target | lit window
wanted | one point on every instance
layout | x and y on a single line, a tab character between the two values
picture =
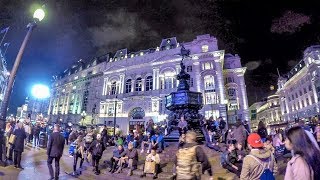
209	82
76	77
138	84
149	83
74	87
132	55
205	48
113	88
128	86
141	53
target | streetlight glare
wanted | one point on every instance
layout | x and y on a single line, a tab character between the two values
40	91
39	14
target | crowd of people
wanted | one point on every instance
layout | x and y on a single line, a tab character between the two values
254	155
249	155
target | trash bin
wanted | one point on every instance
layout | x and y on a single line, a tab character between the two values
43	140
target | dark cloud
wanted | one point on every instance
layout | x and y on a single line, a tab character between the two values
290	22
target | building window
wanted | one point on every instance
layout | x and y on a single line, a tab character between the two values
205	48
211	98
149	83
305	90
189	68
310	88
128	86
229	80
300	93
113	88
206	66
85	100
209	82
168	82
232	94
138	84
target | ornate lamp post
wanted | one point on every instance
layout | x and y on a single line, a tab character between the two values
38	16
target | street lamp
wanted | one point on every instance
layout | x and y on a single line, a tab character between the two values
83	114
38	16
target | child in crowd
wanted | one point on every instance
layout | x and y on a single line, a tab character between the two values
152	164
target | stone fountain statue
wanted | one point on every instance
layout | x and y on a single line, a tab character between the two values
185	103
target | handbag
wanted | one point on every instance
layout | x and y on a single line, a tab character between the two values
12	139
149	167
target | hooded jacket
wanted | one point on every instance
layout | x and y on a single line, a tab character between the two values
252	169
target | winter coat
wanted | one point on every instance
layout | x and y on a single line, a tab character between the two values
252	169
131	154
19	142
55	145
298	169
97	147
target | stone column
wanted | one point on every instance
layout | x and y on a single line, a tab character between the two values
197	77
105	86
133	85
157	78
143	85
221	89
315	95
121	87
154	82
177	72
243	97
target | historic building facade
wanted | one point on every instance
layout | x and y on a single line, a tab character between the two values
75	93
299	91
132	85
136	83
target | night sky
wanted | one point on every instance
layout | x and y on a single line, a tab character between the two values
266	34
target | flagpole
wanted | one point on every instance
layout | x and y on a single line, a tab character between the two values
4	36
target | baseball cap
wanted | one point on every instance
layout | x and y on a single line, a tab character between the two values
255	140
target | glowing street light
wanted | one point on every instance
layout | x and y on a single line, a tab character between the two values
38	16
40	91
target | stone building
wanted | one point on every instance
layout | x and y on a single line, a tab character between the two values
299	89
78	89
135	84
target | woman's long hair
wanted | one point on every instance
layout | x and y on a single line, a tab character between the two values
261	125
303	146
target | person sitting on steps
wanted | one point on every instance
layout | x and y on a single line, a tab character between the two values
152	164
115	158
129	156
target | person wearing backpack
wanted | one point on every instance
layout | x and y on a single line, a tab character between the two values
260	163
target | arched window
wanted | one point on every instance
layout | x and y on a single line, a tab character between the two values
128	86
113	88
209	82
149	84
167	80
138	84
